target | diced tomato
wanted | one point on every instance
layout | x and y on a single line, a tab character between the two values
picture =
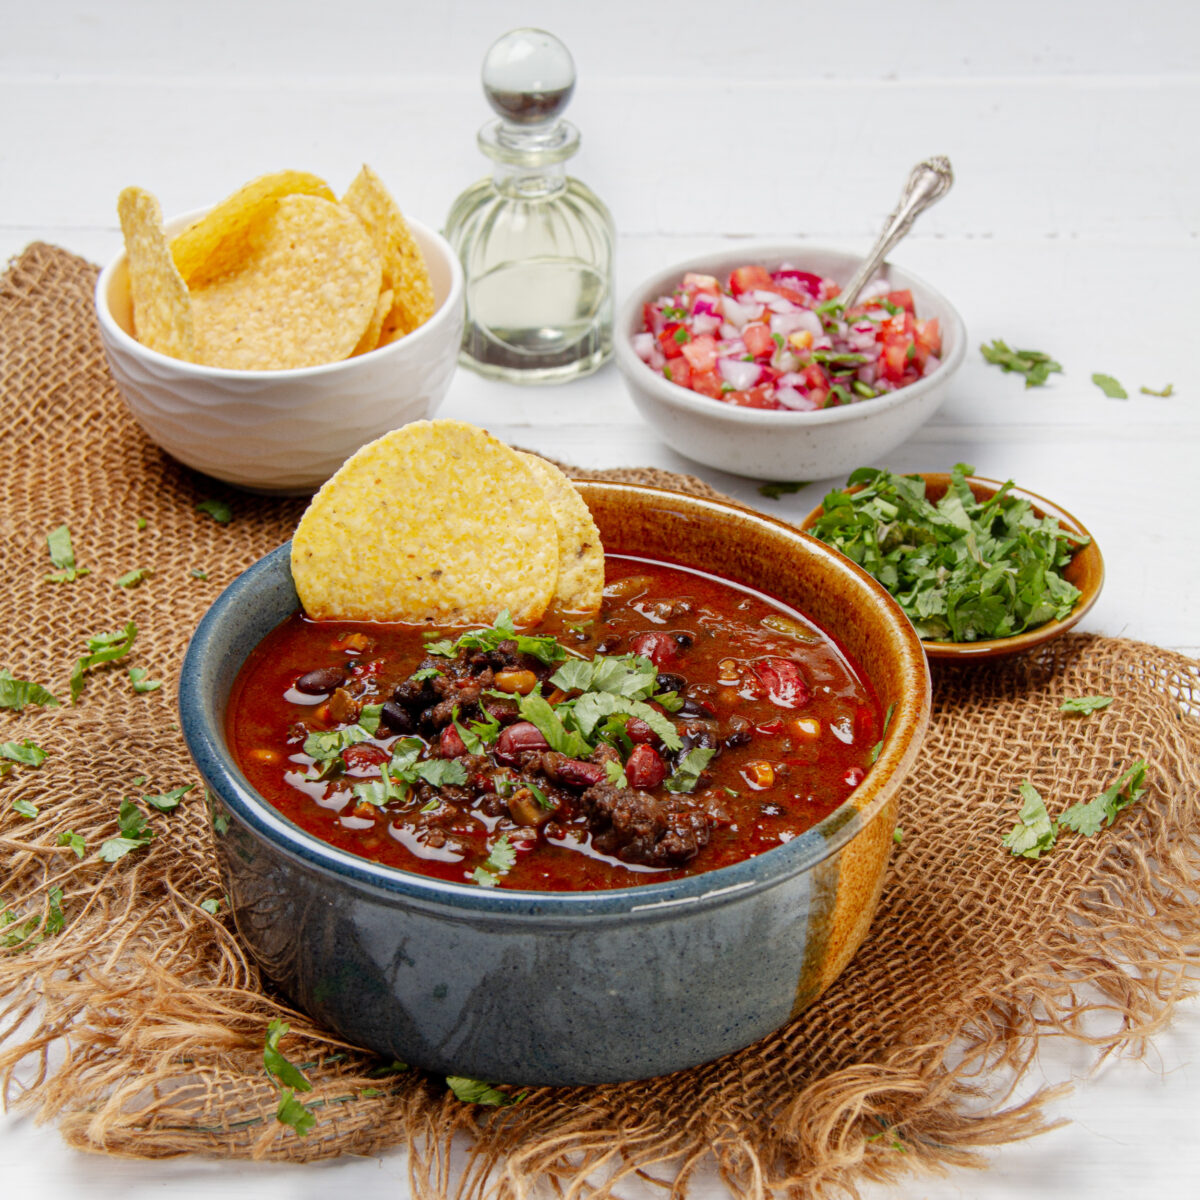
814	377
707	383
660	648
652	318
758	339
893	360
770	728
678	371
749	279
803	282
671	345
784	683
929	335
692	282
701	353
903	299
762	395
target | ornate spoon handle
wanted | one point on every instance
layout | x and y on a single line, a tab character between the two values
929	182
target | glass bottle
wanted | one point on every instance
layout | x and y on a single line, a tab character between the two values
536	244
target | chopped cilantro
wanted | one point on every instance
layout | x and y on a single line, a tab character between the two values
219	510
1088	818
25	934
210	906
327	746
1034	833
292	1112
543	800
615	774
134	577
682	337
103	648
1169	390
25	753
887	720
1110	387
369	717
276	1064
545	649
74	841
141	524
897	835
425	673
500	861
169	801
1033	364
25	808
1084	705
773	491
137	677
62	555
16	693
439	772
475	1091
685	776
135	833
479	735
197	573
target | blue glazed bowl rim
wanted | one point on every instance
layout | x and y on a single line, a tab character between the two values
202	728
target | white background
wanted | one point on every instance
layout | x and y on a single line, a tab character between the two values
1072	228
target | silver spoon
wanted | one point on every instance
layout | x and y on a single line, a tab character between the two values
927	184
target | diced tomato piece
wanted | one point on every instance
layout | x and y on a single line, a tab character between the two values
919	357
814	377
707	383
784	683
929	335
701	353
645	768
818	396
660	648
770	728
678	371
693	282
758	339
363	759
759	396
652	318
893	360
803	282
671	345
749	279
903	299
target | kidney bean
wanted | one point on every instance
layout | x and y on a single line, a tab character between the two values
362	757
854	776
660	648
323	679
451	744
783	681
645	768
515	740
692	707
574	772
639	732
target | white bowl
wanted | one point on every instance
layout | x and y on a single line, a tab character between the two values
283	431
769	444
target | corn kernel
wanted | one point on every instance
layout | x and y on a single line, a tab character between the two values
759	774
802	339
806	728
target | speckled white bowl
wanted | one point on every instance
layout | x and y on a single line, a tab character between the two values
283	431
767	444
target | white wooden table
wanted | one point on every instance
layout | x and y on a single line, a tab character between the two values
1072	228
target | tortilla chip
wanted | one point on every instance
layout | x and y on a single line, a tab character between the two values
434	522
304	293
220	240
162	308
580	584
370	339
404	269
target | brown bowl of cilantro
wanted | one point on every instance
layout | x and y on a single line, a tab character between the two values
981	568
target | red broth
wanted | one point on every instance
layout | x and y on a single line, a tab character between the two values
758	727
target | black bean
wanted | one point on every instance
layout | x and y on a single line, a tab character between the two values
691	707
739	737
397	718
323	679
668	681
683	640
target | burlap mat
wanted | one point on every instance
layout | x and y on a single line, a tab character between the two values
143	1022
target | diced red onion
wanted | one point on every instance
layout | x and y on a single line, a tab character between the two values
643	345
703	323
798	318
738	314
705	305
796	401
738	374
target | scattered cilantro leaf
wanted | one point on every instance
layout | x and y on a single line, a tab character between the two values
75	841
1090	816
897	835
16	693
537	710
135	833
476	1091
1169	390
773	491
1085	704
197	573
62	555
141	524
543	800
1033	364
25	808
544	649
369	717
133	578
479	735
438	772
141	685
27	933
500	860
424	673
292	1112
169	801
276	1064
25	753
327	746
211	906
395	1067
1034	833
686	775
219	510
615	774
103	648
1110	387
887	720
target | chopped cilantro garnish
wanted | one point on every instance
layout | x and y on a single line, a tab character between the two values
543	800
1089	817
134	577
545	649
292	1112
137	677
500	861
62	555
1083	705
887	720
479	735
168	801
685	776
74	841
219	510
475	1091
328	745
135	833
1110	387
25	934
1034	833
141	524
773	491
197	573
16	693
615	773
962	570
25	808
438	772
276	1064
1033	364
103	648
210	906
682	336
369	717
424	673
25	753
1169	390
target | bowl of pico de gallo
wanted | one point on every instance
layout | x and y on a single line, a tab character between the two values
745	359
